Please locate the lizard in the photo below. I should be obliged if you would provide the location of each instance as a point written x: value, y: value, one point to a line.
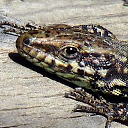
x: 89, y: 56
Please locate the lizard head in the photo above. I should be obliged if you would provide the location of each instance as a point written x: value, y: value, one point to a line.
x: 66, y: 51
x: 70, y: 53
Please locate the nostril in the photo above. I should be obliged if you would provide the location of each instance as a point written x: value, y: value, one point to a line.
x: 26, y: 41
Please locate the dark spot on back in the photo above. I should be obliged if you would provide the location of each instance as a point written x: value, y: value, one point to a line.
x: 47, y: 35
x: 47, y: 31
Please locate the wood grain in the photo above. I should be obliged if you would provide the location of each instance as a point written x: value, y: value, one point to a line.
x: 31, y: 97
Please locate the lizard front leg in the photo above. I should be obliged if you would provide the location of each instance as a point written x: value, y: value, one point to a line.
x: 113, y: 111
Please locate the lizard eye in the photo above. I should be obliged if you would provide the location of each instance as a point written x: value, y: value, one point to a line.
x: 70, y: 52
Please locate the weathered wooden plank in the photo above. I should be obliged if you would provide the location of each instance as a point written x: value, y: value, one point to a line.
x: 30, y: 97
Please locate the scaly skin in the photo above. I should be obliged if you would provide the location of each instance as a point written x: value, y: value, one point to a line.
x: 89, y: 56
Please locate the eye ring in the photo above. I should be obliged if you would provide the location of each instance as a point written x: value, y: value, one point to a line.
x: 69, y: 52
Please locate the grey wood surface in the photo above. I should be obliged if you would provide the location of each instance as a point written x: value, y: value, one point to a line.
x: 32, y: 98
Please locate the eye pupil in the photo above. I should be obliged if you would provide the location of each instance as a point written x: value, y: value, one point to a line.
x: 71, y: 50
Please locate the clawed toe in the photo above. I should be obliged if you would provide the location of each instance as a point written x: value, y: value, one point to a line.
x: 113, y: 111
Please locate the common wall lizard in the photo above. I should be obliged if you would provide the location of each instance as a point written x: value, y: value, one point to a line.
x: 89, y: 56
